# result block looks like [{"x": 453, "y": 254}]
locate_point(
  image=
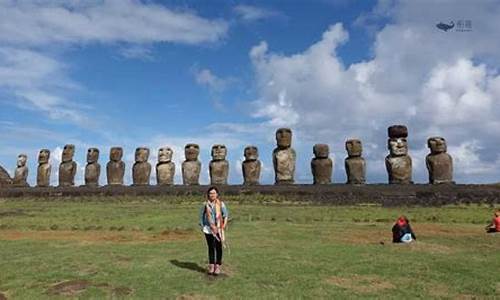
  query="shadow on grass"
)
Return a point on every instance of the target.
[{"x": 188, "y": 265}]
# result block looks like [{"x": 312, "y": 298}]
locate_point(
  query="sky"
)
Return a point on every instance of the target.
[{"x": 132, "y": 73}]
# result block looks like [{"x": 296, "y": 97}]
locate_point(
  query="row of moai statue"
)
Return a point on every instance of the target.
[{"x": 398, "y": 163}]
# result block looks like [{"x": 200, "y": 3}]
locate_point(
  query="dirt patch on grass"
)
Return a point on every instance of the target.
[
  {"x": 363, "y": 284},
  {"x": 438, "y": 291},
  {"x": 370, "y": 235},
  {"x": 74, "y": 287},
  {"x": 2, "y": 296},
  {"x": 99, "y": 236},
  {"x": 68, "y": 287},
  {"x": 14, "y": 213},
  {"x": 193, "y": 297},
  {"x": 122, "y": 291},
  {"x": 448, "y": 230}
]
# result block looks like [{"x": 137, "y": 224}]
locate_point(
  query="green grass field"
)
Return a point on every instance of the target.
[{"x": 151, "y": 248}]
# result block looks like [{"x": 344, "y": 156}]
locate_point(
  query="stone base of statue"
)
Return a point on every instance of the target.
[
  {"x": 165, "y": 173},
  {"x": 399, "y": 169},
  {"x": 67, "y": 171},
  {"x": 355, "y": 168},
  {"x": 219, "y": 171},
  {"x": 322, "y": 169},
  {"x": 141, "y": 173},
  {"x": 191, "y": 172},
  {"x": 284, "y": 165},
  {"x": 251, "y": 172},
  {"x": 440, "y": 168}
]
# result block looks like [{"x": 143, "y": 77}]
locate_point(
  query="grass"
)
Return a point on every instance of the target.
[{"x": 150, "y": 248}]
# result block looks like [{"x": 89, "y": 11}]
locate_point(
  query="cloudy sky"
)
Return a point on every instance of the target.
[{"x": 132, "y": 73}]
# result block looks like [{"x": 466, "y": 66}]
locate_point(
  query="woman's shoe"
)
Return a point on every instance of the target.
[
  {"x": 217, "y": 270},
  {"x": 211, "y": 269}
]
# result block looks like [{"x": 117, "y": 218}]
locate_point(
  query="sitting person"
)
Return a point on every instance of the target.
[
  {"x": 401, "y": 231},
  {"x": 494, "y": 225}
]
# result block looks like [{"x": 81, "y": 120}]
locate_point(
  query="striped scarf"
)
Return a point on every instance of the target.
[{"x": 214, "y": 208}]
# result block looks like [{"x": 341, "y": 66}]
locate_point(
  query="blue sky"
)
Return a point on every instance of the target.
[{"x": 166, "y": 73}]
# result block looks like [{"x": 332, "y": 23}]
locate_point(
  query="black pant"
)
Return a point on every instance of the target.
[{"x": 214, "y": 249}]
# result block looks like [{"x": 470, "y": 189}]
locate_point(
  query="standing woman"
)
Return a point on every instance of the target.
[{"x": 213, "y": 221}]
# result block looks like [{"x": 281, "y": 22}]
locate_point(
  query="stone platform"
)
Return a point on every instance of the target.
[{"x": 335, "y": 194}]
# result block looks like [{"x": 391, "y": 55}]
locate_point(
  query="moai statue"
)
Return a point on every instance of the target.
[
  {"x": 21, "y": 172},
  {"x": 165, "y": 168},
  {"x": 321, "y": 164},
  {"x": 219, "y": 166},
  {"x": 355, "y": 166},
  {"x": 284, "y": 157},
  {"x": 115, "y": 169},
  {"x": 5, "y": 179},
  {"x": 67, "y": 168},
  {"x": 398, "y": 162},
  {"x": 141, "y": 171},
  {"x": 44, "y": 168},
  {"x": 191, "y": 167},
  {"x": 439, "y": 163},
  {"x": 251, "y": 166},
  {"x": 93, "y": 168}
]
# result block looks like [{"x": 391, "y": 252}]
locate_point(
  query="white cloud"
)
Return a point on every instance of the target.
[
  {"x": 251, "y": 13},
  {"x": 36, "y": 82},
  {"x": 205, "y": 77},
  {"x": 137, "y": 52},
  {"x": 32, "y": 79},
  {"x": 45, "y": 22}
]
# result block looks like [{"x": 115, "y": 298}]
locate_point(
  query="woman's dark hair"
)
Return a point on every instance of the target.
[{"x": 212, "y": 188}]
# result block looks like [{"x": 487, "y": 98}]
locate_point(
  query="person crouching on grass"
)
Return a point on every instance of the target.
[
  {"x": 213, "y": 219},
  {"x": 494, "y": 225},
  {"x": 401, "y": 231}
]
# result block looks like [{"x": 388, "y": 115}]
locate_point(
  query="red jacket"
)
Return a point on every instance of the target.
[{"x": 496, "y": 222}]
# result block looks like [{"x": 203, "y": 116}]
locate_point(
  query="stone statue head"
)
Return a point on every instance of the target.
[
  {"x": 165, "y": 154},
  {"x": 284, "y": 137},
  {"x": 141, "y": 154},
  {"x": 251, "y": 153},
  {"x": 437, "y": 144},
  {"x": 43, "y": 156},
  {"x": 21, "y": 160},
  {"x": 354, "y": 148},
  {"x": 116, "y": 153},
  {"x": 398, "y": 146},
  {"x": 68, "y": 152},
  {"x": 191, "y": 151},
  {"x": 219, "y": 152},
  {"x": 321, "y": 150},
  {"x": 397, "y": 143},
  {"x": 92, "y": 155}
]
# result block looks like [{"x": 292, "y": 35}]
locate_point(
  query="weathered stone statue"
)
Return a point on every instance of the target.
[
  {"x": 93, "y": 168},
  {"x": 21, "y": 172},
  {"x": 141, "y": 171},
  {"x": 191, "y": 167},
  {"x": 284, "y": 157},
  {"x": 5, "y": 179},
  {"x": 355, "y": 166},
  {"x": 398, "y": 162},
  {"x": 321, "y": 164},
  {"x": 219, "y": 166},
  {"x": 44, "y": 168},
  {"x": 165, "y": 168},
  {"x": 439, "y": 163},
  {"x": 115, "y": 168},
  {"x": 251, "y": 166},
  {"x": 67, "y": 168}
]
